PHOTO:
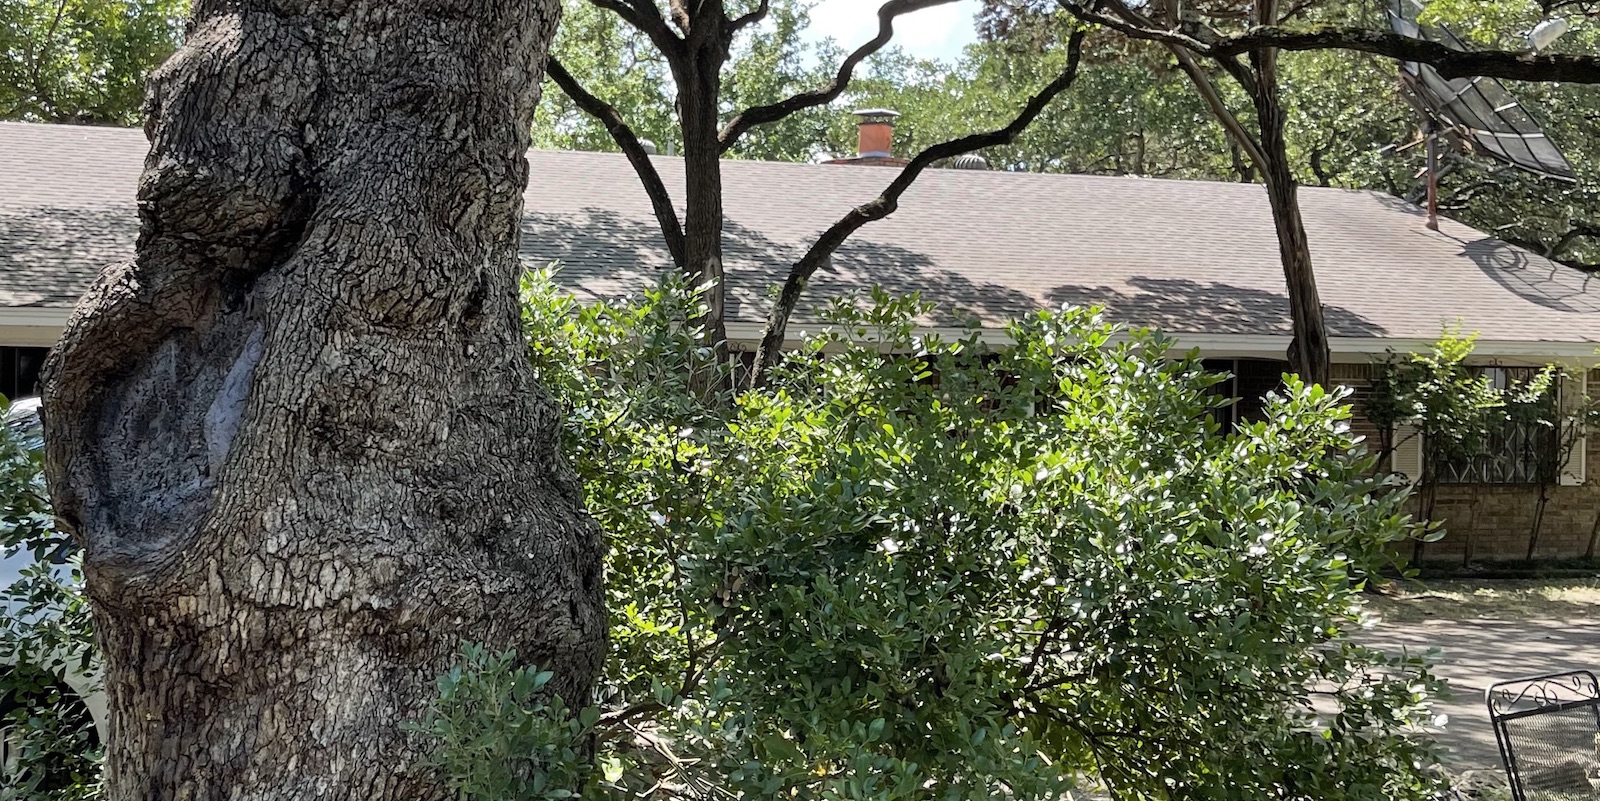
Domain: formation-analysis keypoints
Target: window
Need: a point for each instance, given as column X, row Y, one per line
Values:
column 1247, row 384
column 19, row 370
column 1515, row 452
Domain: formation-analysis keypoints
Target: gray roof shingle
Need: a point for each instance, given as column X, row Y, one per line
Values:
column 1184, row 256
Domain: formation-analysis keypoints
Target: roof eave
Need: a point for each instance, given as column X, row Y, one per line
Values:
column 41, row 326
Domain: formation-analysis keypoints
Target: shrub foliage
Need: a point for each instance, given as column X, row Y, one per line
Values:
column 959, row 572
column 45, row 634
column 910, row 568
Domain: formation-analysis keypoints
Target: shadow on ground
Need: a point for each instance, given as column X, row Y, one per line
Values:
column 1472, row 655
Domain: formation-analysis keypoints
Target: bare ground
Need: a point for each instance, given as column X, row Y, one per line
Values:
column 1505, row 599
column 1486, row 632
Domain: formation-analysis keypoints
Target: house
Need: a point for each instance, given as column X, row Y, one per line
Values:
column 1198, row 260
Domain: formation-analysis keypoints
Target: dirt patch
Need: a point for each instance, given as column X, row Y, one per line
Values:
column 1481, row 785
column 1487, row 599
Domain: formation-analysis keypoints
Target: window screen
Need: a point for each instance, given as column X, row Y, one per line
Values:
column 19, row 370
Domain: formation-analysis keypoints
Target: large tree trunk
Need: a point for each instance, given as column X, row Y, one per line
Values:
column 1308, row 354
column 297, row 436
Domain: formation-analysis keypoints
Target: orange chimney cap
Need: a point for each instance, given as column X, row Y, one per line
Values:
column 875, row 133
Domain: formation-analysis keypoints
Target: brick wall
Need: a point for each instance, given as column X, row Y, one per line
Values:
column 1496, row 520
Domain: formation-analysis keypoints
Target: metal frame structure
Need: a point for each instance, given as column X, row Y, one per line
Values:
column 1475, row 114
column 1537, row 695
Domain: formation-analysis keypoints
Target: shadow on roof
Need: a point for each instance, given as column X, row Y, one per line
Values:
column 1392, row 201
column 1546, row 283
column 606, row 254
column 1192, row 307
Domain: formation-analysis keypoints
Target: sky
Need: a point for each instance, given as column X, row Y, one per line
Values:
column 938, row 32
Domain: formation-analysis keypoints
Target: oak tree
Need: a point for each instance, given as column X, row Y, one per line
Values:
column 82, row 61
column 296, row 435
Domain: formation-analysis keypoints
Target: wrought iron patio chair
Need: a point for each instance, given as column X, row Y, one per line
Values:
column 1548, row 730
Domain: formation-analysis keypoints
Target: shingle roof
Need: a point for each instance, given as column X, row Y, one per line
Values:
column 66, row 208
column 1185, row 256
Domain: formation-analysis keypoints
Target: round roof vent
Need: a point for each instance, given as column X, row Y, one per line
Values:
column 649, row 146
column 970, row 161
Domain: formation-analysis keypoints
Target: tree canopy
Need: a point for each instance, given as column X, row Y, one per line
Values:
column 83, row 61
column 1132, row 111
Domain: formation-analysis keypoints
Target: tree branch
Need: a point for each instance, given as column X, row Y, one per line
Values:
column 624, row 136
column 745, row 21
column 885, row 204
column 1132, row 24
column 647, row 19
column 1579, row 230
column 1450, row 63
column 1219, row 109
column 772, row 112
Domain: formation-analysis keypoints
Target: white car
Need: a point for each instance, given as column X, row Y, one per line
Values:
column 20, row 420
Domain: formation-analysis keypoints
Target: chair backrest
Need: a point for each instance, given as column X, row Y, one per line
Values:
column 1548, row 730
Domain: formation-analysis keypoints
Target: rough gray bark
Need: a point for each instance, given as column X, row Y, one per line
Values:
column 296, row 436
column 698, row 75
column 1309, row 354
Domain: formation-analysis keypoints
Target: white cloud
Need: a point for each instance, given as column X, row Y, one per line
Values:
column 939, row 32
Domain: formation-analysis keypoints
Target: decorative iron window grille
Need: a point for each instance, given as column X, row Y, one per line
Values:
column 1516, row 452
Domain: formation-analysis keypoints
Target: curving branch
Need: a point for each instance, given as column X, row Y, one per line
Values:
column 772, row 112
column 740, row 23
column 1127, row 19
column 1219, row 108
column 624, row 136
column 646, row 18
column 885, row 204
column 1450, row 63
column 1581, row 230
column 1553, row 251
column 1133, row 25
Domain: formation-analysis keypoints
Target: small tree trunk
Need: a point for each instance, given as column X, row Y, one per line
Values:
column 297, row 436
column 1538, row 519
column 1386, row 449
column 699, row 88
column 1429, row 497
column 1308, row 353
column 1594, row 538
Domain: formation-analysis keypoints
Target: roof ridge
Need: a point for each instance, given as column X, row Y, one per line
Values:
column 763, row 163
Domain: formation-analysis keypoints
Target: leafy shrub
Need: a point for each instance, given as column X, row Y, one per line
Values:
column 961, row 572
column 502, row 736
column 45, row 634
column 1465, row 421
column 1452, row 407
